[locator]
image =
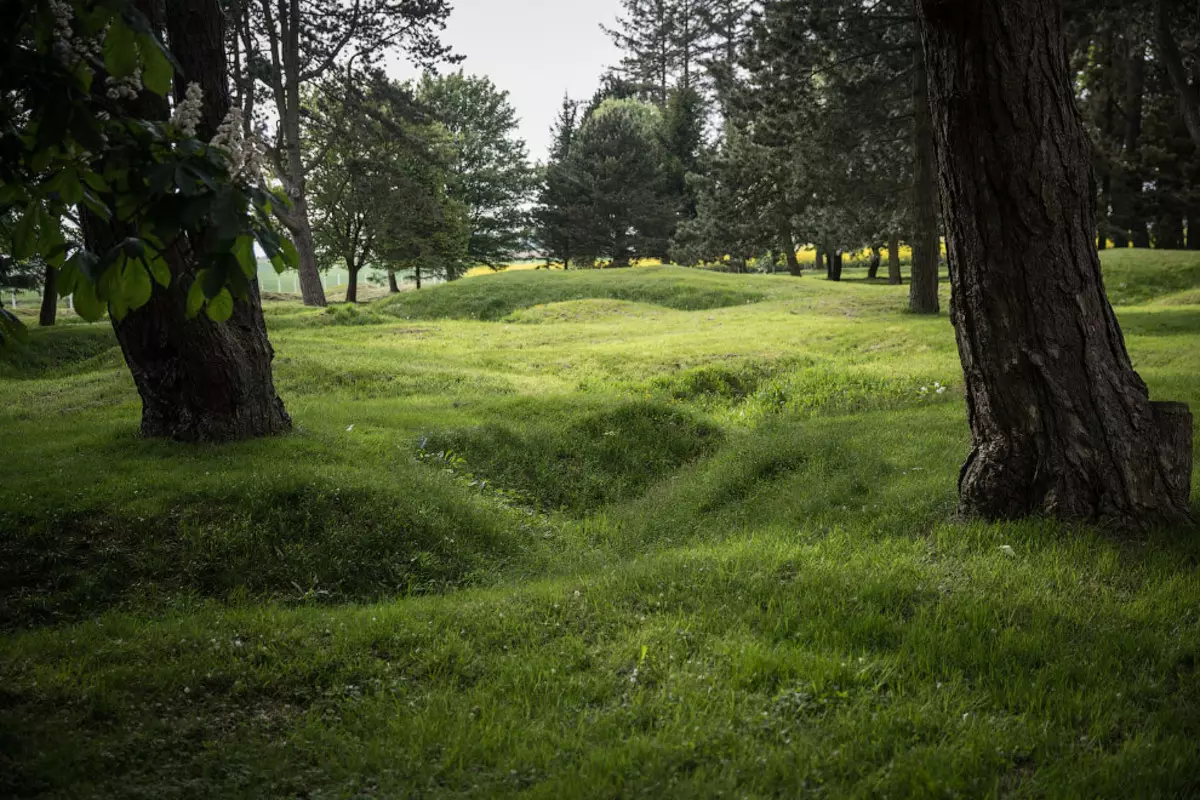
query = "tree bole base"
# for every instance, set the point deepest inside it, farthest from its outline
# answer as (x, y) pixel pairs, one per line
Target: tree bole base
(1005, 479)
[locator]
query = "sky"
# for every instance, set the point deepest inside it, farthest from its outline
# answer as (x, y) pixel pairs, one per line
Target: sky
(535, 50)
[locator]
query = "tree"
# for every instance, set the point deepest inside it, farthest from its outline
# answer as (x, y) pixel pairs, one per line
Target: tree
(1061, 423)
(170, 221)
(559, 215)
(619, 158)
(283, 48)
(490, 174)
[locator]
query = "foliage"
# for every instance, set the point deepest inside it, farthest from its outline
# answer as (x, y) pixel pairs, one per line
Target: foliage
(489, 172)
(69, 141)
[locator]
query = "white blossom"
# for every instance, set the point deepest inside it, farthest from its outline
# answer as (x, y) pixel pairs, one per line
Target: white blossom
(230, 139)
(187, 114)
(126, 88)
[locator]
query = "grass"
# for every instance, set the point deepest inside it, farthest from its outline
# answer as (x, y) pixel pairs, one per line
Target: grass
(660, 533)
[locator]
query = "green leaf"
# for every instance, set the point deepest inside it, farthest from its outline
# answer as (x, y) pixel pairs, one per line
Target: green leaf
(158, 268)
(243, 248)
(195, 299)
(25, 236)
(220, 308)
(290, 256)
(120, 50)
(156, 69)
(135, 280)
(87, 304)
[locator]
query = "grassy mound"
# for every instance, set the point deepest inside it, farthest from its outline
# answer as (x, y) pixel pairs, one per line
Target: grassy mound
(494, 297)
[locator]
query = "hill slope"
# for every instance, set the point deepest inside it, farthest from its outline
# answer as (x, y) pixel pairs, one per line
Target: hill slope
(664, 542)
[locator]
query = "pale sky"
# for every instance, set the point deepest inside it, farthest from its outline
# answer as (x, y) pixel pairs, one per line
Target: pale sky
(535, 50)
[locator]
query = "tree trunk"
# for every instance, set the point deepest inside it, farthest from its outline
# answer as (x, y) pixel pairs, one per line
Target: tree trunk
(876, 261)
(49, 313)
(1060, 422)
(923, 285)
(393, 287)
(894, 261)
(352, 278)
(1168, 51)
(198, 380)
(793, 262)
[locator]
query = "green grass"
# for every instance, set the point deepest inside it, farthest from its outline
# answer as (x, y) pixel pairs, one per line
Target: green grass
(659, 533)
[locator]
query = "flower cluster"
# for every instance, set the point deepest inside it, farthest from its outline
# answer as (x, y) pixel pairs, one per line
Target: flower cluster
(69, 48)
(231, 140)
(124, 88)
(187, 114)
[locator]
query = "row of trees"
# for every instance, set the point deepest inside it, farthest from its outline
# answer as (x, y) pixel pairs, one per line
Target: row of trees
(428, 178)
(807, 121)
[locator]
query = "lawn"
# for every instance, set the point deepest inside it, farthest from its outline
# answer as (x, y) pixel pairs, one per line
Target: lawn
(627, 533)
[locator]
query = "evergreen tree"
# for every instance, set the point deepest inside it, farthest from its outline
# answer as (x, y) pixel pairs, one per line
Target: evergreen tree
(625, 210)
(559, 216)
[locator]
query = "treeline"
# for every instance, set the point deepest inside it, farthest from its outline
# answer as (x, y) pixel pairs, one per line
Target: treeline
(733, 132)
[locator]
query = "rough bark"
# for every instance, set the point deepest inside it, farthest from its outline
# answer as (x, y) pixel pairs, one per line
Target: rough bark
(198, 380)
(926, 249)
(49, 312)
(894, 277)
(1061, 423)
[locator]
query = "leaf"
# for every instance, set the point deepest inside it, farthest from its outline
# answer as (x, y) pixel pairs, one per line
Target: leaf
(290, 256)
(25, 235)
(220, 308)
(120, 50)
(157, 265)
(243, 248)
(156, 69)
(135, 280)
(87, 304)
(195, 299)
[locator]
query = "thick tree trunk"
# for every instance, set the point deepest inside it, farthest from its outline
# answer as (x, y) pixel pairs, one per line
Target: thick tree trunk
(352, 285)
(49, 313)
(926, 249)
(198, 380)
(876, 261)
(1061, 424)
(894, 277)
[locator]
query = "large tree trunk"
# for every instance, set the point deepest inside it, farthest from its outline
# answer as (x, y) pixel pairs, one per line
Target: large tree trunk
(1060, 422)
(49, 313)
(926, 249)
(352, 285)
(894, 261)
(198, 380)
(1129, 205)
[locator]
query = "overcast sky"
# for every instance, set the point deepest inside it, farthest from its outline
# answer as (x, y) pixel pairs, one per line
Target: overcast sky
(535, 50)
